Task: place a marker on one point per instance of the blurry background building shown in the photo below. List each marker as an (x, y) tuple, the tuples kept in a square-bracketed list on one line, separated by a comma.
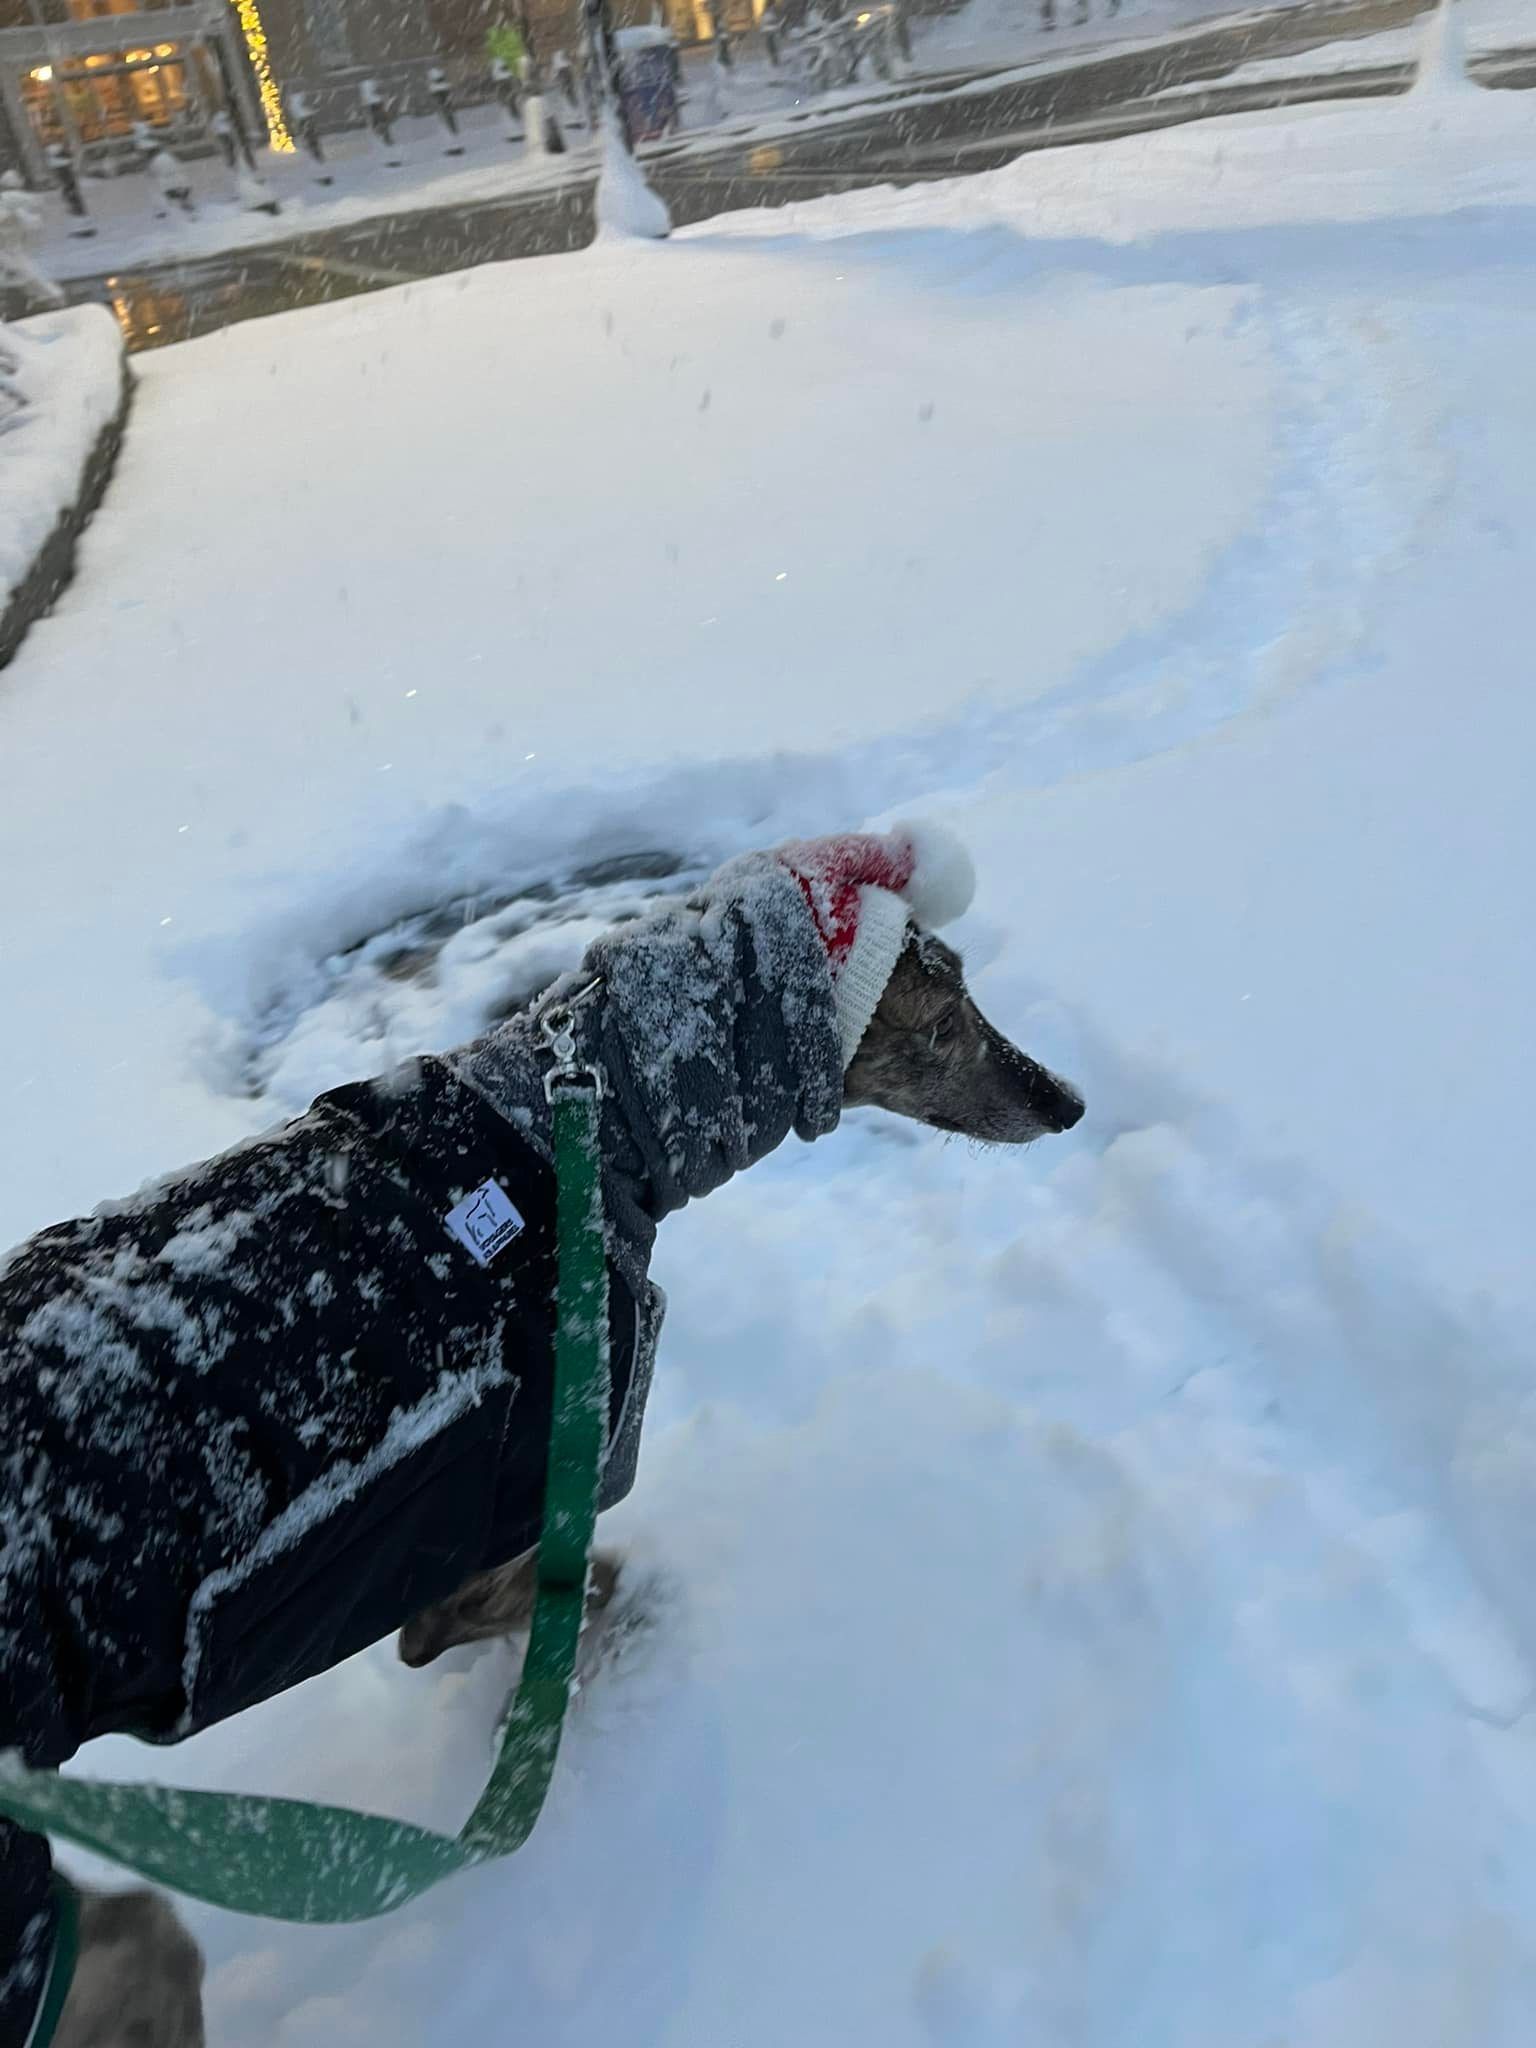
[(84, 72)]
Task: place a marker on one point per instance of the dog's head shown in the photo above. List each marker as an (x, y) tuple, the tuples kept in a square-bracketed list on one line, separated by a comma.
[(931, 1055)]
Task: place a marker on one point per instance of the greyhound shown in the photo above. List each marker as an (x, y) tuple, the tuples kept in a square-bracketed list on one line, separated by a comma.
[(895, 1027), (930, 1055)]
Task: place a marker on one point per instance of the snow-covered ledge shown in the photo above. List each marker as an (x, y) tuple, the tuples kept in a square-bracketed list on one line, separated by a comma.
[(64, 393)]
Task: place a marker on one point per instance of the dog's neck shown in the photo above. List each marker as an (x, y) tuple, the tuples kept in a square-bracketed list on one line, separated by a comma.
[(715, 1032)]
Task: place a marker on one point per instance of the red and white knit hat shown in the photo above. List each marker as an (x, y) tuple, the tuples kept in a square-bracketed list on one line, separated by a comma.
[(861, 888)]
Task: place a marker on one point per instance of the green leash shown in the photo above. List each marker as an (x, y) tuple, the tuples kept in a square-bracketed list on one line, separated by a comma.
[(286, 1859)]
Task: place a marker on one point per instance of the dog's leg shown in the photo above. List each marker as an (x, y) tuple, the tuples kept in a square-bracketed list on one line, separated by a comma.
[(138, 1980), (494, 1603)]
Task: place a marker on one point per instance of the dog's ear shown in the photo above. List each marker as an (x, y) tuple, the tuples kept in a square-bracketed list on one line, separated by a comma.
[(930, 1054)]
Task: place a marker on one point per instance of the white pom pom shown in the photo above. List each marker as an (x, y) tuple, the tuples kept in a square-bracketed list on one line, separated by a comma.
[(943, 878)]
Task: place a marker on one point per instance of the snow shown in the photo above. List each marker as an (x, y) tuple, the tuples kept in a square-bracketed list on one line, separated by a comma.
[(1442, 65), (993, 29), (626, 206), (1083, 1597), (69, 372), (644, 36), (1485, 28)]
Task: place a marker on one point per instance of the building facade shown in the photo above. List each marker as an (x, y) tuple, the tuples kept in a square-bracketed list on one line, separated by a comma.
[(87, 73), (82, 72)]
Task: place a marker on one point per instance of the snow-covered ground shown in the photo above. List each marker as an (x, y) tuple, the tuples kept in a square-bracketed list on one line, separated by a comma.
[(1489, 26), (1092, 1594), (991, 31), (66, 383)]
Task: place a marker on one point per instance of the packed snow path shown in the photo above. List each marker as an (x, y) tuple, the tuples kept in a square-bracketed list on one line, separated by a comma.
[(1083, 1599)]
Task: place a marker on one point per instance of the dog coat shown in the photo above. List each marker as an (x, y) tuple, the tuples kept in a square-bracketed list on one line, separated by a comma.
[(261, 1413)]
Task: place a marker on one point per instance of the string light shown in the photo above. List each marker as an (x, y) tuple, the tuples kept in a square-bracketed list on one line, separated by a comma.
[(266, 85)]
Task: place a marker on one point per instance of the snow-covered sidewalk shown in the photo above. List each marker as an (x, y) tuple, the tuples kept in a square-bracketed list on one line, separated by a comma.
[(61, 382), (1092, 1596)]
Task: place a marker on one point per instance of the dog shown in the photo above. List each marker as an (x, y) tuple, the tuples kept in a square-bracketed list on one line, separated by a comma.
[(296, 1396), (929, 1055)]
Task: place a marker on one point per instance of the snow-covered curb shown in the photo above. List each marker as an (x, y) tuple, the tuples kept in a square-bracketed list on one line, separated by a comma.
[(56, 455)]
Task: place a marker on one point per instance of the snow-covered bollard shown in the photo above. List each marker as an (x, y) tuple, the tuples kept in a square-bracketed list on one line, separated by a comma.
[(174, 181), (306, 125), (224, 135), (900, 34), (508, 98), (67, 177), (725, 55), (591, 88), (542, 127), (441, 88), (255, 195), (229, 131), (21, 235), (565, 83), (544, 136), (380, 118), (626, 207)]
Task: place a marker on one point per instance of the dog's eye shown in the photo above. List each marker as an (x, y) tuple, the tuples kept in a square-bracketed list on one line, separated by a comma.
[(943, 1031)]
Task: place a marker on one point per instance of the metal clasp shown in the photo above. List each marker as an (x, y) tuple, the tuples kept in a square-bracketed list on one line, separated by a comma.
[(558, 1027)]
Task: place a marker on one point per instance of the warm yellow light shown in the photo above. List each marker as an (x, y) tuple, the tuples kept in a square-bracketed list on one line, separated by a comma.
[(43, 73), (266, 85)]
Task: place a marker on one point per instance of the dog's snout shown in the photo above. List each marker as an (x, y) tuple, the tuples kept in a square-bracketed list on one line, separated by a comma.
[(1070, 1110), (1055, 1102)]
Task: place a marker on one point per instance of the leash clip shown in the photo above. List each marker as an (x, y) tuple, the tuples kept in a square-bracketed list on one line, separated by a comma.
[(558, 1026)]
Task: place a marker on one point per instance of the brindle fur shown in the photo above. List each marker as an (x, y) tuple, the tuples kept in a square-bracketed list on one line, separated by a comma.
[(138, 1980), (928, 1054), (494, 1603)]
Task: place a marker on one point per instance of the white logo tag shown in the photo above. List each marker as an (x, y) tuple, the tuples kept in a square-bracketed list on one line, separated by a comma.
[(485, 1222)]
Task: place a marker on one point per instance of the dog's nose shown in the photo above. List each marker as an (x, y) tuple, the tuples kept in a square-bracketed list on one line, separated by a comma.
[(1070, 1111)]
